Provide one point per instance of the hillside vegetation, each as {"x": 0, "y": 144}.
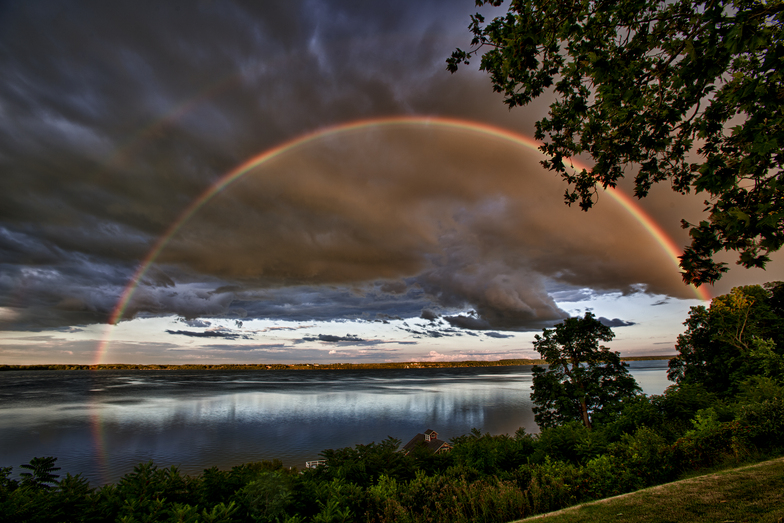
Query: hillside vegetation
{"x": 726, "y": 408}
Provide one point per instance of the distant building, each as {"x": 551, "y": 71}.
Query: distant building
{"x": 428, "y": 439}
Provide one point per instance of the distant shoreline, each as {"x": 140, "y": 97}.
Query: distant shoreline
{"x": 304, "y": 366}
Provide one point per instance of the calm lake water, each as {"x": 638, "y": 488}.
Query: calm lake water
{"x": 103, "y": 423}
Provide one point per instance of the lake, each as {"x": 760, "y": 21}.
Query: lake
{"x": 102, "y": 423}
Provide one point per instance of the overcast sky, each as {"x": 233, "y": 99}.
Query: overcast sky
{"x": 386, "y": 242}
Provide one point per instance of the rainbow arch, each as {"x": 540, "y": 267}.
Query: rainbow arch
{"x": 653, "y": 228}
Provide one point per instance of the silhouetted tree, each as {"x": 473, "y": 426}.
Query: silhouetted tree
{"x": 583, "y": 379}
{"x": 683, "y": 91}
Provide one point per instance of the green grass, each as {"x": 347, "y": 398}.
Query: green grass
{"x": 751, "y": 493}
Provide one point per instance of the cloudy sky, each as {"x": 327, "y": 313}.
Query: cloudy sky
{"x": 379, "y": 208}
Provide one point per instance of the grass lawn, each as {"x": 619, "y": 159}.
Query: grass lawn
{"x": 746, "y": 494}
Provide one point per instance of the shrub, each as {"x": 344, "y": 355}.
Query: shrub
{"x": 571, "y": 442}
{"x": 711, "y": 443}
{"x": 267, "y": 497}
{"x": 760, "y": 388}
{"x": 553, "y": 485}
{"x": 647, "y": 457}
{"x": 364, "y": 464}
{"x": 453, "y": 499}
{"x": 765, "y": 424}
{"x": 488, "y": 454}
{"x": 641, "y": 411}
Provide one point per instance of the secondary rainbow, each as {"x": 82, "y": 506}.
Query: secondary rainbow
{"x": 659, "y": 235}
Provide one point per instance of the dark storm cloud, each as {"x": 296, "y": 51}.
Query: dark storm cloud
{"x": 330, "y": 338}
{"x": 498, "y": 335}
{"x": 385, "y": 318}
{"x": 468, "y": 322}
{"x": 306, "y": 303}
{"x": 275, "y": 353}
{"x": 432, "y": 329}
{"x": 488, "y": 242}
{"x": 429, "y": 315}
{"x": 394, "y": 287}
{"x": 211, "y": 334}
{"x": 270, "y": 347}
{"x": 115, "y": 116}
{"x": 353, "y": 340}
{"x": 615, "y": 322}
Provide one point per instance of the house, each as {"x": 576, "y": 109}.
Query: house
{"x": 430, "y": 440}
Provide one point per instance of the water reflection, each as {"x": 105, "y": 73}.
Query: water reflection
{"x": 102, "y": 423}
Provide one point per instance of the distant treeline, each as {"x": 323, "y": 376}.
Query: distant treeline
{"x": 302, "y": 366}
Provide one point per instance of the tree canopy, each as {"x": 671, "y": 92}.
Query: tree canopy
{"x": 739, "y": 337}
{"x": 687, "y": 92}
{"x": 583, "y": 379}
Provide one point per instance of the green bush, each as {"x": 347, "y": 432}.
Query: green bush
{"x": 765, "y": 424}
{"x": 571, "y": 442}
{"x": 488, "y": 454}
{"x": 267, "y": 497}
{"x": 553, "y": 485}
{"x": 442, "y": 498}
{"x": 364, "y": 464}
{"x": 647, "y": 457}
{"x": 640, "y": 411}
{"x": 711, "y": 443}
{"x": 760, "y": 388}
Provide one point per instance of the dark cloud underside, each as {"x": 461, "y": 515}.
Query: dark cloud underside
{"x": 115, "y": 116}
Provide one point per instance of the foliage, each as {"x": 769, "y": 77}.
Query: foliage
{"x": 687, "y": 92}
{"x": 267, "y": 496}
{"x": 646, "y": 456}
{"x": 487, "y": 454}
{"x": 583, "y": 380}
{"x": 712, "y": 442}
{"x": 41, "y": 473}
{"x": 640, "y": 411}
{"x": 757, "y": 389}
{"x": 7, "y": 485}
{"x": 681, "y": 402}
{"x": 765, "y": 422}
{"x": 571, "y": 442}
{"x": 739, "y": 336}
{"x": 363, "y": 464}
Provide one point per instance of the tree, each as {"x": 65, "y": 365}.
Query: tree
{"x": 583, "y": 379}
{"x": 685, "y": 91}
{"x": 740, "y": 336}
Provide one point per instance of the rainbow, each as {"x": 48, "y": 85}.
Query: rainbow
{"x": 658, "y": 234}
